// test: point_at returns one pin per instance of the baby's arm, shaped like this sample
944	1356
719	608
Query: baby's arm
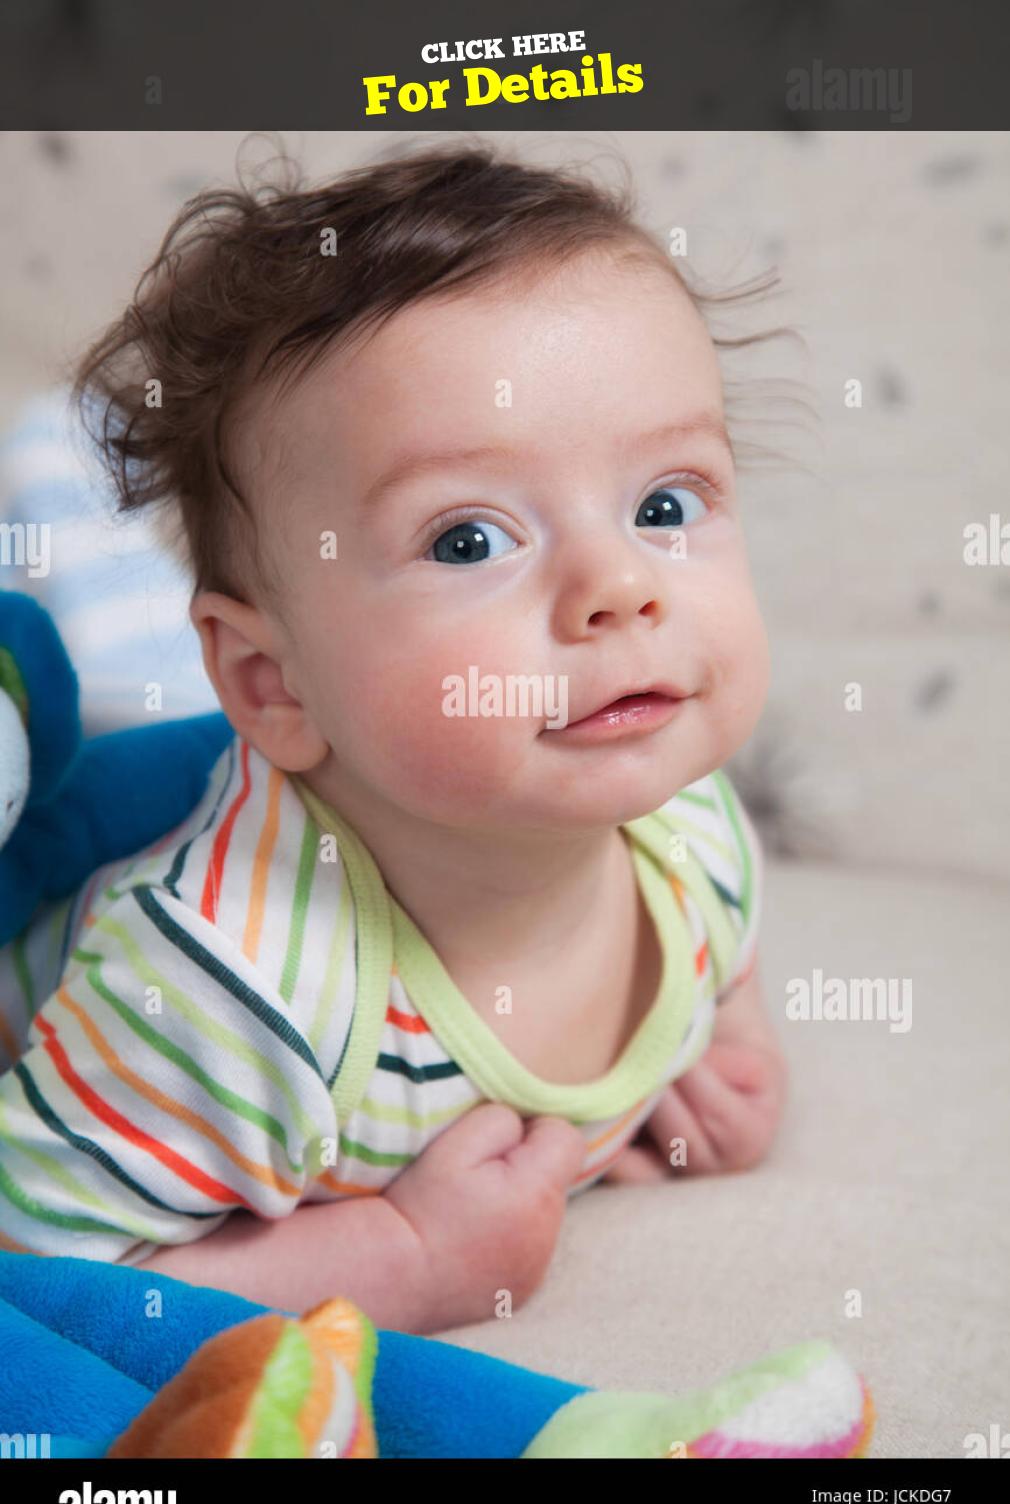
362	1249
477	1213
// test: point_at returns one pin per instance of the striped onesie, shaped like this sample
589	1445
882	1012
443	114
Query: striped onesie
242	1016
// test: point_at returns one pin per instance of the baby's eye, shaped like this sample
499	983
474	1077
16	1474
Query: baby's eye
469	543
669	507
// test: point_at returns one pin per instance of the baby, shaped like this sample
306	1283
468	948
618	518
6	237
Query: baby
426	959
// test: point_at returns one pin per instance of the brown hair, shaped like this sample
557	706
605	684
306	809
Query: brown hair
240	291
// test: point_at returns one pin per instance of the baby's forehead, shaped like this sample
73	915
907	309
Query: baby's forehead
574	342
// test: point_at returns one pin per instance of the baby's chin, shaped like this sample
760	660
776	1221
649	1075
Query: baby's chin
596	789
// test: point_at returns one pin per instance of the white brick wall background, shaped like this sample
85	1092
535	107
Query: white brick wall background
894	252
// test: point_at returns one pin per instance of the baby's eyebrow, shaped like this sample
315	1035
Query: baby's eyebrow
415	466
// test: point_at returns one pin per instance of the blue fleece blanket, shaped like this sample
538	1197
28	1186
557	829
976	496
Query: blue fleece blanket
81	1355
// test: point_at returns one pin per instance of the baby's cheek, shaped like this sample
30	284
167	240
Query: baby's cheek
432	759
738	659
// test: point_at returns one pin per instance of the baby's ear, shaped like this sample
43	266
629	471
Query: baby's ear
243	656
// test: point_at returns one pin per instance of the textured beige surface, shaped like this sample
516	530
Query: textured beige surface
889	1178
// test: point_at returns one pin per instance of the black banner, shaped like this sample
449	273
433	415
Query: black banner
568	65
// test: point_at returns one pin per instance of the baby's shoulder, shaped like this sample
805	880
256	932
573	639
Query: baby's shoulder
243	890
711	819
708	821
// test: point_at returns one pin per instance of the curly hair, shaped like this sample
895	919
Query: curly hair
246	287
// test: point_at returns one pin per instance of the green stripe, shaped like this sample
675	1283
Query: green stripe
303	888
730	801
59	1128
70	1183
382	1112
240	1106
353	1149
723	938
32	1208
227	979
373	953
196	1015
334	966
379	1112
688	827
698	799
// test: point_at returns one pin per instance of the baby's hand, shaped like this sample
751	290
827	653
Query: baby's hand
726	1108
486	1200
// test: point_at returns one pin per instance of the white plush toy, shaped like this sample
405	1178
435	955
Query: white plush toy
15	765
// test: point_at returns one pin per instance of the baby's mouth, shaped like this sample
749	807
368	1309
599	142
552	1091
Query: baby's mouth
638	713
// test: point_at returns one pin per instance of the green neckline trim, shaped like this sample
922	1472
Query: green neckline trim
386	931
496	1071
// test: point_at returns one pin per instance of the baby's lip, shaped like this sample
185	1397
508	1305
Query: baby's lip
667	691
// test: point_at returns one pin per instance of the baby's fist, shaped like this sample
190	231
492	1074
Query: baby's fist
725	1109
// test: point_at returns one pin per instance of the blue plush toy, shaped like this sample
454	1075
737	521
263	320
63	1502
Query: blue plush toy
87	1371
68	806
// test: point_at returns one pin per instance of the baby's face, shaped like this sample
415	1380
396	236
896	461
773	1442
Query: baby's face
500	470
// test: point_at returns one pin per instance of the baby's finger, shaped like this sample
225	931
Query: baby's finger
636	1166
728	1117
749	1070
674	1119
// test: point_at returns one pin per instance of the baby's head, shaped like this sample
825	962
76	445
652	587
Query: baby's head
448	422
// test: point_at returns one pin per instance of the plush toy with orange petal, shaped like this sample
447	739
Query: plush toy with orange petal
271	1387
279	1386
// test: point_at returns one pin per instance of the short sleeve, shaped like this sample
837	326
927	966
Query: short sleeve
710	818
161	1087
742	879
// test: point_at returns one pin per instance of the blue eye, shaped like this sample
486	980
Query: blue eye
668	507
470	543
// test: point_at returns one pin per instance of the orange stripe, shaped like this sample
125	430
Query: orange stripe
409	1022
701	958
212	881
10	1246
617	1127
108	1114
261	866
348	1187
605	1164
169	1105
678	889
